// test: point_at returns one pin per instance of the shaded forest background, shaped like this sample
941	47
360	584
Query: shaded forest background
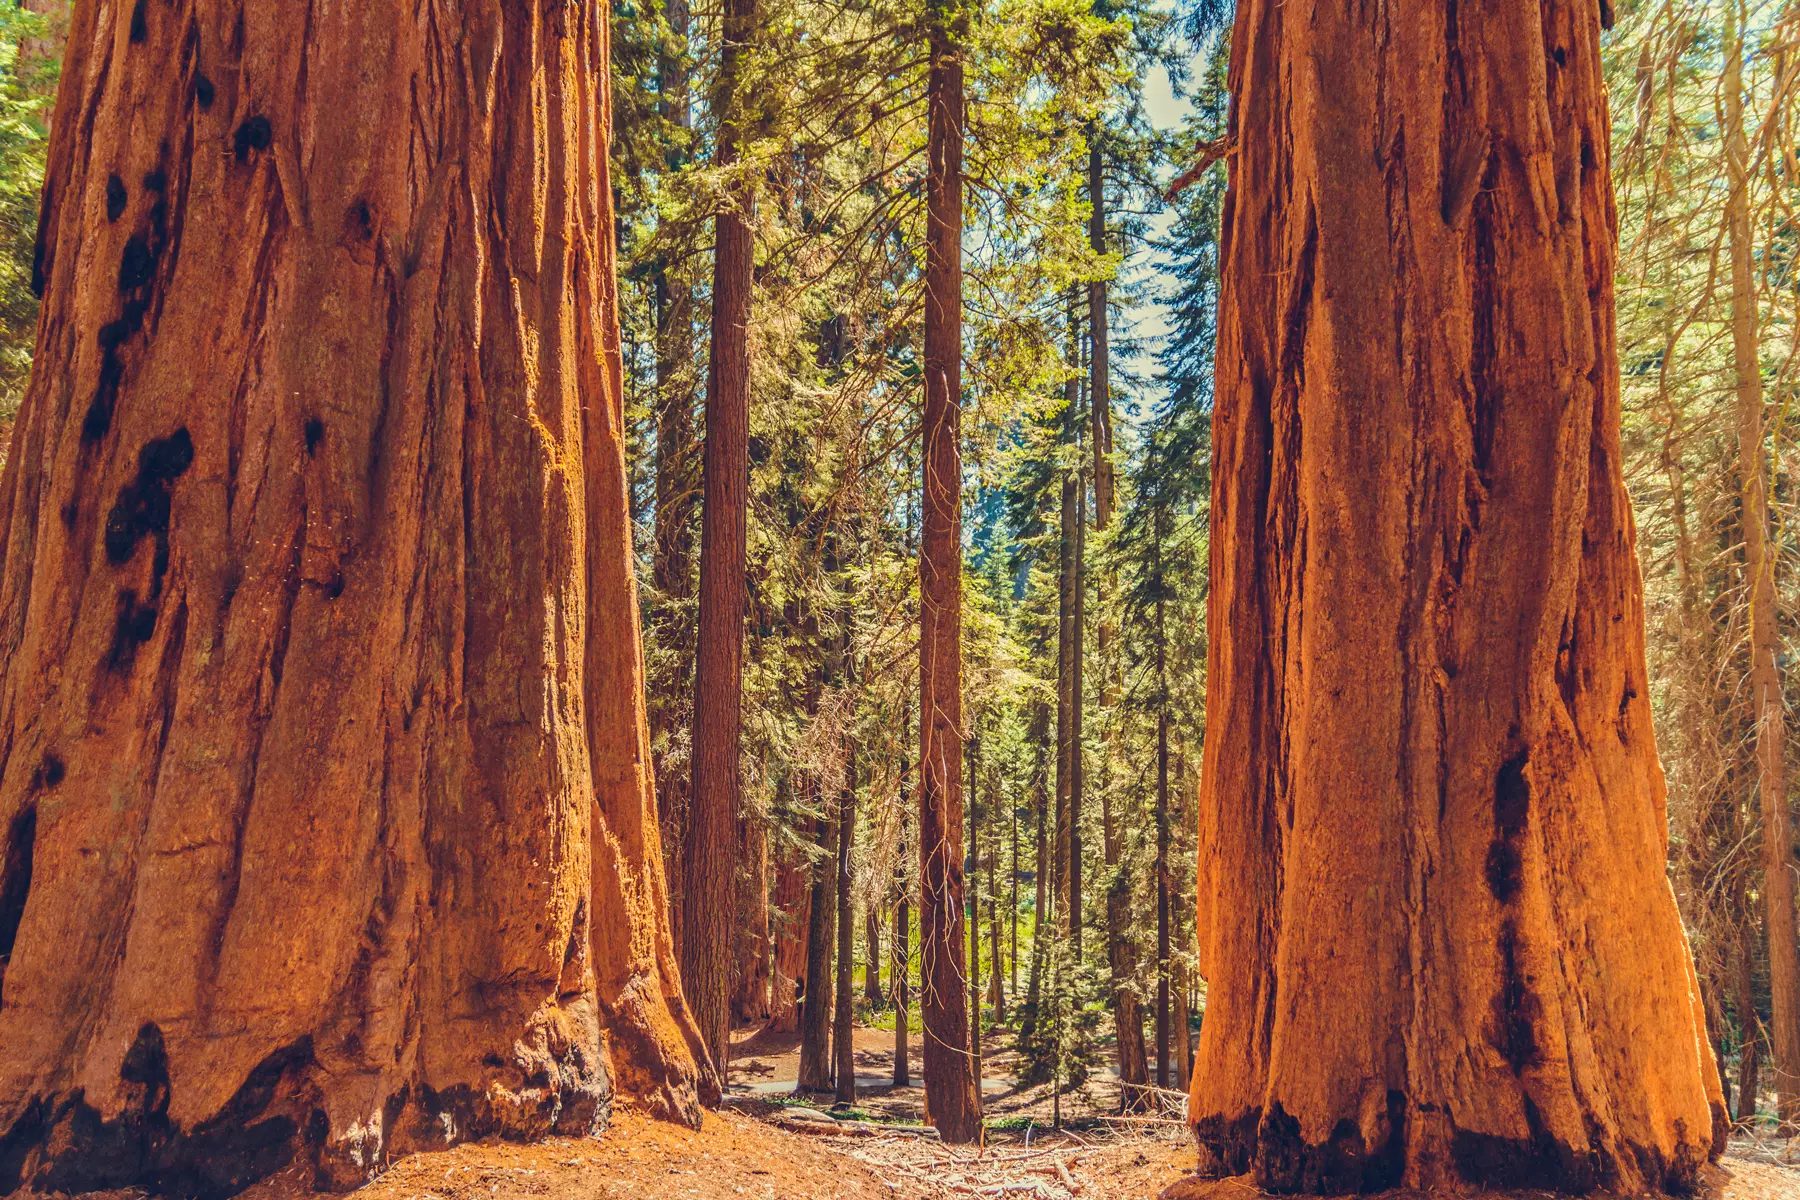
1086	466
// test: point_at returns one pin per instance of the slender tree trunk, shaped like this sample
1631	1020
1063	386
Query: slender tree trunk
320	680
672	560
974	909
953	1103
1749	1039
754	959
1099	359
1067	743
707	917
996	966
902	938
843	1027
1077	722
791	919
1759	579
902	953
1013	910
1162	887
1184	1045
1431	795
1041	918
872	991
815	1004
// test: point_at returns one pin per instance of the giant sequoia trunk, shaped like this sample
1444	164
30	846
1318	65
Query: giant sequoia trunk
319	664
1431	797
952	1102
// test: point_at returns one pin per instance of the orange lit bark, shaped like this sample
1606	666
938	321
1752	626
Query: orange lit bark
1431	796
319	670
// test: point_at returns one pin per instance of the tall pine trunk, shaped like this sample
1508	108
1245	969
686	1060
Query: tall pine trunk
706	854
1431	794
1759	579
843	1015
974	905
753	962
952	1102
790	905
902	954
677	494
1121	948
872	956
319	658
821	932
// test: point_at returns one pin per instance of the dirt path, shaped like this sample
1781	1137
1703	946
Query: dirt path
740	1157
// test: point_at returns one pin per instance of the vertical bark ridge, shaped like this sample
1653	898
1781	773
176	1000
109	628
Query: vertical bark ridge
1428	744
321	668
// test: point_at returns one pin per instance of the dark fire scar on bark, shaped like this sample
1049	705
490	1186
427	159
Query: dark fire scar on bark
254	134
1512	805
142	510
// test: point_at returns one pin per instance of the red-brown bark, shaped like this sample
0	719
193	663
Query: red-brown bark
753	966
952	1103
707	867
319	663
791	908
1431	796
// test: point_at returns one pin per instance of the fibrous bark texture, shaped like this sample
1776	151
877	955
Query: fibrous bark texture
322	736
1431	796
707	854
951	1099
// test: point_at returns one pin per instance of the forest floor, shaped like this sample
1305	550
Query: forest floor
739	1156
765	1145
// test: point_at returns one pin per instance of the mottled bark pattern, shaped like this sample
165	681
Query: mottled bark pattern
319	664
1431	796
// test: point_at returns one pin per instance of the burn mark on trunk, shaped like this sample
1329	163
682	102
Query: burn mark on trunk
49	773
140	22
142	508
115	198
133	625
41	253
136	265
203	91
1537	1160
1512	809
1516	1008
143	1148
1343	1164
314	433
137	271
253	135
15	883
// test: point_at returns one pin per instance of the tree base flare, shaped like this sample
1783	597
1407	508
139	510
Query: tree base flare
1709	1184
1270	1153
281	1116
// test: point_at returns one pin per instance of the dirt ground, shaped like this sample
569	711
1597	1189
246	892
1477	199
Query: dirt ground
740	1157
750	1150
